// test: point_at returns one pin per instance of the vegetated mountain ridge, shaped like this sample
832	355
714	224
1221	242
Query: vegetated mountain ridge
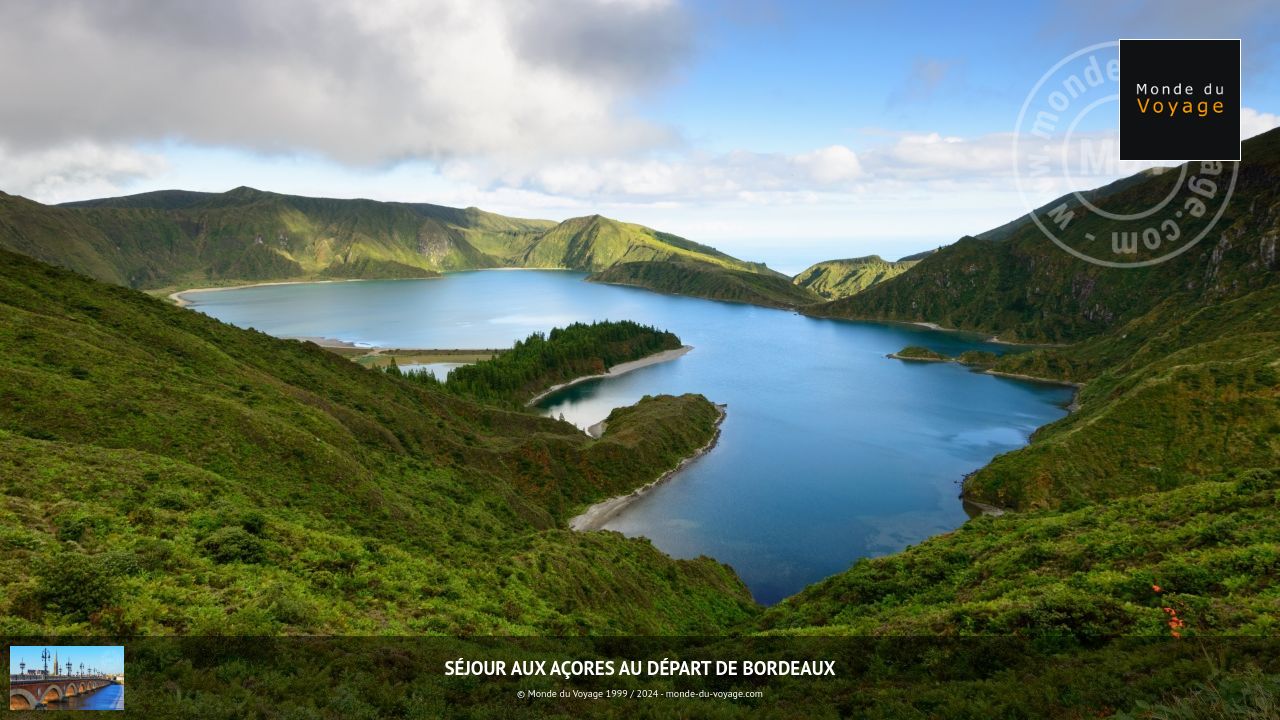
180	238
1020	285
167	473
596	243
757	285
1179	359
1148	512
832	279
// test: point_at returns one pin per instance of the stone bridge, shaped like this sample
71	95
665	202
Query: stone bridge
29	692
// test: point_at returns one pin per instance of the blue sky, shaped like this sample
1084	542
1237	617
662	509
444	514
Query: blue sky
106	658
782	131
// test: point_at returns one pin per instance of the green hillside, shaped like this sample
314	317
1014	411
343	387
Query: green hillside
832	279
1075	574
1180	361
1171	398
1146	513
706	280
1025	288
166	473
178	238
595	243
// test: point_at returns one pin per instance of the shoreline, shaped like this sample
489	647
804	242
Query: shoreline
984	509
1072	406
180	301
619	369
988	338
788	308
977	508
597	431
1033	378
595	516
907	358
176	296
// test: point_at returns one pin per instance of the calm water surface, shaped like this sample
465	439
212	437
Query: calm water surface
109	697
830	451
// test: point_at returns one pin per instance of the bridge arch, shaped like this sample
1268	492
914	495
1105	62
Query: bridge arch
70	690
20	699
53	693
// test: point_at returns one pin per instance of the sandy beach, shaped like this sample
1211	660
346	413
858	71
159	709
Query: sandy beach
618	369
983	508
934	326
594	517
177	297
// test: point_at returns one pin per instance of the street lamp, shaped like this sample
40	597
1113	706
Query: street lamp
68	667
22	668
45	656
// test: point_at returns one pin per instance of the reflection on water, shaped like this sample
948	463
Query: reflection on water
110	697
830	451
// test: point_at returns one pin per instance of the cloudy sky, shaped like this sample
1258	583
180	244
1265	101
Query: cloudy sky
781	131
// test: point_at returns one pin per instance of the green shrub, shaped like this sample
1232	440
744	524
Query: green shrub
74	584
153	554
233	544
79	526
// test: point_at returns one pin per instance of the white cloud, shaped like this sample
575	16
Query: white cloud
1253	122
932	156
829	165
75	170
692	177
364	83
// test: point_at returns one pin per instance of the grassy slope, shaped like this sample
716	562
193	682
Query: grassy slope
205	479
705	280
1025	288
1212	547
1167	474
832	279
1174	396
178	238
1179	360
595	243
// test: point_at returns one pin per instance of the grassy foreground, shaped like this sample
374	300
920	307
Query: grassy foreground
165	473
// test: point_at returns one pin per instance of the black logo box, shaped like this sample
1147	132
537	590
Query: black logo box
1185	67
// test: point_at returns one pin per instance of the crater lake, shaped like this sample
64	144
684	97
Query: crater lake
829	451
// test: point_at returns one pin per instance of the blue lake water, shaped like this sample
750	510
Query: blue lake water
830	451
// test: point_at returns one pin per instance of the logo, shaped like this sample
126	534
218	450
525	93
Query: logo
1180	99
1110	212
